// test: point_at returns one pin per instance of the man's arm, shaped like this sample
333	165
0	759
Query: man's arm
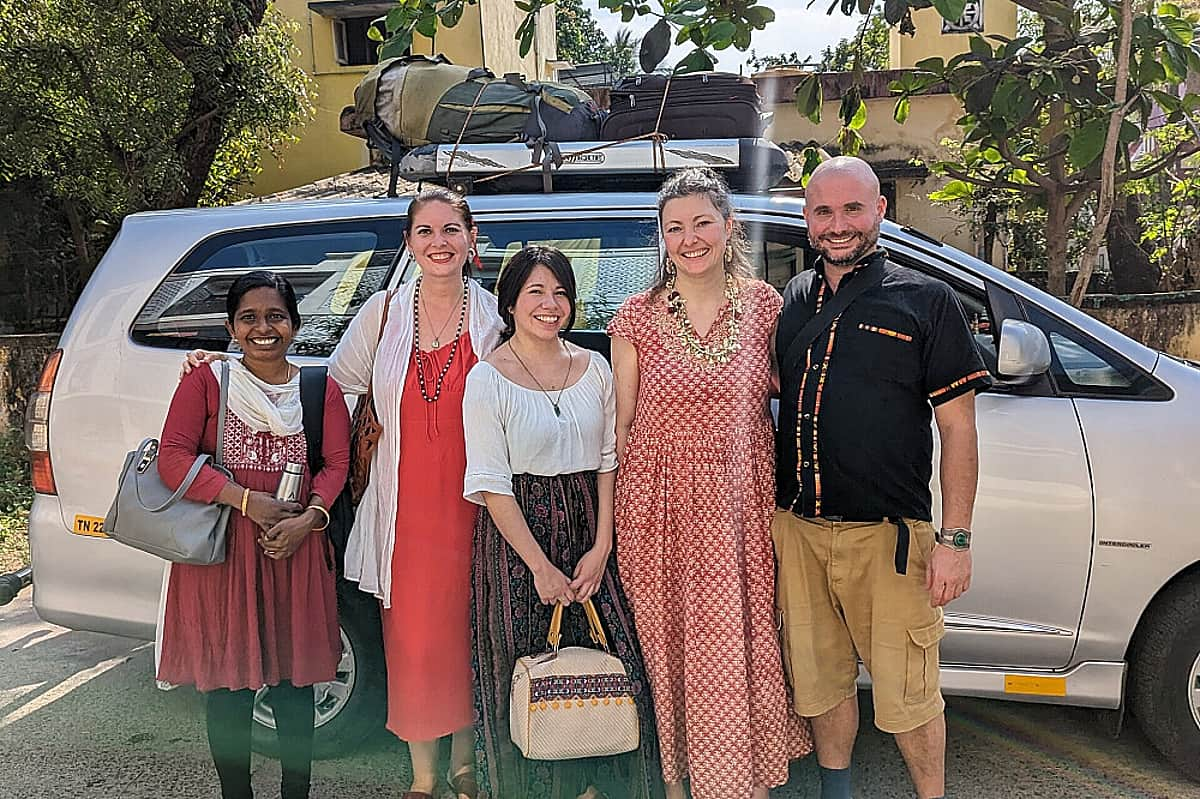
959	471
949	572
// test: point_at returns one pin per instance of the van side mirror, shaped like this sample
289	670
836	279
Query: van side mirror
1024	352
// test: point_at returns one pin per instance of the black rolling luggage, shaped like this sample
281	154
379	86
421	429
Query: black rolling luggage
703	105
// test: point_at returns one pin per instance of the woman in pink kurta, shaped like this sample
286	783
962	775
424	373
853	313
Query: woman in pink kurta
695	496
266	616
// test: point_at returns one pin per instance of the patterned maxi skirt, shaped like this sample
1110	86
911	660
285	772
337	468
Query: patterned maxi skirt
509	621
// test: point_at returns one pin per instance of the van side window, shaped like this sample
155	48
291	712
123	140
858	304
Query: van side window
612	259
1083	367
333	267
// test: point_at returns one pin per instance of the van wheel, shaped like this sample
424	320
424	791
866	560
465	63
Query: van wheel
353	705
1164	691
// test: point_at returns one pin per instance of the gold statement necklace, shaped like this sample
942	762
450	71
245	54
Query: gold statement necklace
722	351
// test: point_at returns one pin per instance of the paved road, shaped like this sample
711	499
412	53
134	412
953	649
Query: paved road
81	718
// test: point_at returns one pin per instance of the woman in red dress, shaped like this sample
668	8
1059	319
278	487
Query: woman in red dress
411	541
267	615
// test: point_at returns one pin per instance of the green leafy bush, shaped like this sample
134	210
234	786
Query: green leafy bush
16	495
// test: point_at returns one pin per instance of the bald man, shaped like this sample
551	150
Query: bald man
868	352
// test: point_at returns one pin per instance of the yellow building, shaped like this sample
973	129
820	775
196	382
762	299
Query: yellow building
937	37
334	50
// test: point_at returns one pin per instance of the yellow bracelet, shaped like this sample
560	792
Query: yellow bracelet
245	499
324	513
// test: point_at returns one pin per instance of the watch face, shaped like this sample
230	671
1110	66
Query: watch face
961	540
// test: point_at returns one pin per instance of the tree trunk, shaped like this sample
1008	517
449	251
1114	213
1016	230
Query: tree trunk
83	254
1108	158
1132	270
1057	232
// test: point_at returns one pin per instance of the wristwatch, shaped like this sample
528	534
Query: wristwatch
957	538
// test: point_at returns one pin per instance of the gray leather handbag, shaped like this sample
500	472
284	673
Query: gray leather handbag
147	515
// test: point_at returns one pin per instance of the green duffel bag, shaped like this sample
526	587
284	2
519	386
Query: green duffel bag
419	100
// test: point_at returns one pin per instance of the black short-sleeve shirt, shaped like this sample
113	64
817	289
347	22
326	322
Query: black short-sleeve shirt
855	438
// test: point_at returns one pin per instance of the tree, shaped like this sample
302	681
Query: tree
117	106
874	52
1048	117
623	53
580	39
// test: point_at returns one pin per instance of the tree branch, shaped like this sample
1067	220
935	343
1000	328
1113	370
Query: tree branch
992	183
1108	164
1046	184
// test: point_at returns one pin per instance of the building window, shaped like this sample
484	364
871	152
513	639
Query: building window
350	42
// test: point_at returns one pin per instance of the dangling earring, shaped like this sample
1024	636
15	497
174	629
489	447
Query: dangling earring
471	254
728	255
668	266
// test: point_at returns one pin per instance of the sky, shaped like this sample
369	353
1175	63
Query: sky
796	28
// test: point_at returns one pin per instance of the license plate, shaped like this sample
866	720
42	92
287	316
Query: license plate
89	525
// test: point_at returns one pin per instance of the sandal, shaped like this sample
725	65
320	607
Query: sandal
464	783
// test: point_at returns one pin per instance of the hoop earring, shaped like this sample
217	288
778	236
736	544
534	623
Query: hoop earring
470	253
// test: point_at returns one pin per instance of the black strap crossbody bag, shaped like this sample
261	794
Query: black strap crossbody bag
814	327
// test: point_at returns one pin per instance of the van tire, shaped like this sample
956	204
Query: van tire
1162	687
364	711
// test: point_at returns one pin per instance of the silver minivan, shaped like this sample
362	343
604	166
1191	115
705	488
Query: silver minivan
1087	557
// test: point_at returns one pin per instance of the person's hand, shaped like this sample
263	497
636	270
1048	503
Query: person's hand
282	540
197	358
948	575
266	511
589	571
553	586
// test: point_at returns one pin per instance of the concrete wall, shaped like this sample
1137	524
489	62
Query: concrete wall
999	18
1168	322
484	36
21	359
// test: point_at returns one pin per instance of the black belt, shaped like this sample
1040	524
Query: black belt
902	537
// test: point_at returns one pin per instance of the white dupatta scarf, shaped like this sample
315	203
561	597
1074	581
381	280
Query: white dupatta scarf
264	407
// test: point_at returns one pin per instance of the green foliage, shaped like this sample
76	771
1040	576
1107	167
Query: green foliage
123	105
117	106
16	497
1170	218
706	26
1038	106
876	49
580	39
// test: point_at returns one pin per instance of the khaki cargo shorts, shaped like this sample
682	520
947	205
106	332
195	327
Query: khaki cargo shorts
841	600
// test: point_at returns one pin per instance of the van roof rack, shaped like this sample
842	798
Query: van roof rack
751	164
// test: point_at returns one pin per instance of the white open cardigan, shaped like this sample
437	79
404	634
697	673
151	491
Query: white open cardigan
353	364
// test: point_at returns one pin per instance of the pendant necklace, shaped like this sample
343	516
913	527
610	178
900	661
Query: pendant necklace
462	315
553	402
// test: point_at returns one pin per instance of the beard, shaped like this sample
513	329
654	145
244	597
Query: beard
866	244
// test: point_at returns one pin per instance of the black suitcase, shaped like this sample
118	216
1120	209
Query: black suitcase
702	105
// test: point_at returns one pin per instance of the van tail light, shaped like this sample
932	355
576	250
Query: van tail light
37	427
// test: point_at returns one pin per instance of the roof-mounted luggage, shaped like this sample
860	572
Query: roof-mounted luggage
748	164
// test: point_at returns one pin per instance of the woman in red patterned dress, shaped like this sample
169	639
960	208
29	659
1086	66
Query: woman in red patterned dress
267	615
695	495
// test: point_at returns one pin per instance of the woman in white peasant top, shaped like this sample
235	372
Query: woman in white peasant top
539	417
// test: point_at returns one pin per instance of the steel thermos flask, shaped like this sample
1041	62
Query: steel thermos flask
289	482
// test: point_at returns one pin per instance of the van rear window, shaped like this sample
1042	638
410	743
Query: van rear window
333	267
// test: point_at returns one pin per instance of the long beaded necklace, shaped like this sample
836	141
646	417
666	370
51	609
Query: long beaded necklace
723	351
566	377
462	315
